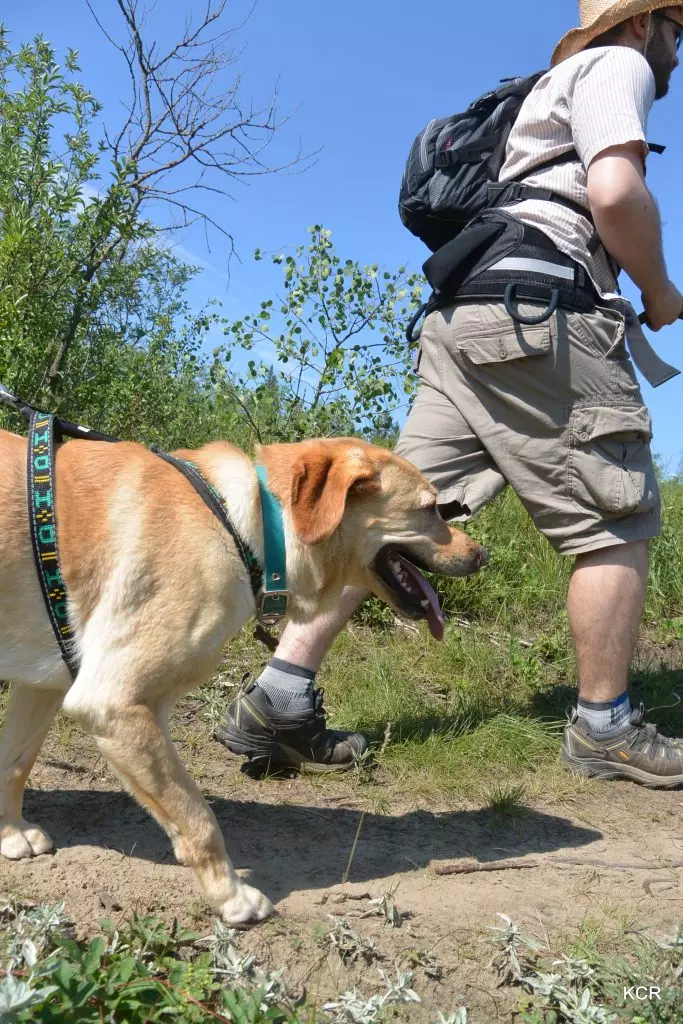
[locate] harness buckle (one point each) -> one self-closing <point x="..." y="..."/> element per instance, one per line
<point x="271" y="606"/>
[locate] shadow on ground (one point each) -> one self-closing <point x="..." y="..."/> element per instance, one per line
<point x="659" y="689"/>
<point x="293" y="847"/>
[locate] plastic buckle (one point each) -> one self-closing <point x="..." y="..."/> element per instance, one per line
<point x="272" y="606"/>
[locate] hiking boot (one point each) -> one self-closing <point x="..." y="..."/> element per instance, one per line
<point x="639" y="753"/>
<point x="283" y="738"/>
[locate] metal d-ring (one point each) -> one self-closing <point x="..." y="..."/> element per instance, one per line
<point x="530" y="321"/>
<point x="412" y="337"/>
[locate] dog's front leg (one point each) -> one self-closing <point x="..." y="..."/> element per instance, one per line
<point x="136" y="742"/>
<point x="29" y="716"/>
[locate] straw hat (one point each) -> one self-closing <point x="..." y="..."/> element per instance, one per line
<point x="598" y="16"/>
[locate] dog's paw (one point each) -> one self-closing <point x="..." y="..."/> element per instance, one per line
<point x="20" y="839"/>
<point x="247" y="906"/>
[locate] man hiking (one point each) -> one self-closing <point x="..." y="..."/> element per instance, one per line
<point x="541" y="395"/>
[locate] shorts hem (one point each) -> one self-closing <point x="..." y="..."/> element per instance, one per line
<point x="614" y="536"/>
<point x="455" y="493"/>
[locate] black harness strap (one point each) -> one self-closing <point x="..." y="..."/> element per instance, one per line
<point x="43" y="523"/>
<point x="45" y="430"/>
<point x="213" y="500"/>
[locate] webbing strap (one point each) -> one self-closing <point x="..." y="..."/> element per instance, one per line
<point x="213" y="500"/>
<point x="45" y="429"/>
<point x="515" y="191"/>
<point x="43" y="523"/>
<point x="275" y="597"/>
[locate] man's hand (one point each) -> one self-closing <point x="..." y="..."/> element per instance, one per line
<point x="663" y="307"/>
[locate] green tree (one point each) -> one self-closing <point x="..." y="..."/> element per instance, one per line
<point x="336" y="336"/>
<point x="92" y="312"/>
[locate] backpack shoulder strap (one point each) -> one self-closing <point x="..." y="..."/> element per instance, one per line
<point x="517" y="190"/>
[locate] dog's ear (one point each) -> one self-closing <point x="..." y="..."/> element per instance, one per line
<point x="321" y="475"/>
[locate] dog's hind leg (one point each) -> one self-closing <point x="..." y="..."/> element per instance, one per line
<point x="29" y="716"/>
<point x="136" y="742"/>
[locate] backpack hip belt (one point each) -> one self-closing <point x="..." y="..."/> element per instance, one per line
<point x="500" y="259"/>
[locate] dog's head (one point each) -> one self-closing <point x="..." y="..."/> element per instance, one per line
<point x="358" y="515"/>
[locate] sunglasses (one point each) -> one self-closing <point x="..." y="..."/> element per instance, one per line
<point x="679" y="28"/>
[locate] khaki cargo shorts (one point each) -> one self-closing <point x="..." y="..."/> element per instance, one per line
<point x="554" y="410"/>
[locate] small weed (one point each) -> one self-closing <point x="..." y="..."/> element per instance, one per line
<point x="593" y="989"/>
<point x="506" y="799"/>
<point x="349" y="945"/>
<point x="385" y="906"/>
<point x="668" y="632"/>
<point x="513" y="956"/>
<point x="68" y="732"/>
<point x="352" y="1008"/>
<point x="414" y="958"/>
<point x="214" y="698"/>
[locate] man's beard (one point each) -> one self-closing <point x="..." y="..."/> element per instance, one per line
<point x="658" y="56"/>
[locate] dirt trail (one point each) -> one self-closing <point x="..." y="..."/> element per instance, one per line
<point x="293" y="838"/>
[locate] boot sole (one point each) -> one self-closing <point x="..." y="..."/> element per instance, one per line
<point x="279" y="755"/>
<point x="598" y="769"/>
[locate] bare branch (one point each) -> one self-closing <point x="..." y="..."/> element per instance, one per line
<point x="182" y="112"/>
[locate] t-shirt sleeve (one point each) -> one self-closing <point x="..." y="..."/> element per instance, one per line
<point x="611" y="101"/>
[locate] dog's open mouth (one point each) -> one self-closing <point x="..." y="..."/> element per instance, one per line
<point x="413" y="595"/>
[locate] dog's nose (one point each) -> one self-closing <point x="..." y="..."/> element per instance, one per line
<point x="483" y="558"/>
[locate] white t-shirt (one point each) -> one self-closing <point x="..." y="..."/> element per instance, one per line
<point x="599" y="98"/>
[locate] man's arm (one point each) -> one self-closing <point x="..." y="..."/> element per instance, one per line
<point x="628" y="223"/>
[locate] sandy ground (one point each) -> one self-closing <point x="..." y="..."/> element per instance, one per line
<point x="293" y="839"/>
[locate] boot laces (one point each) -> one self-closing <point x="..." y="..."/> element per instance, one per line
<point x="649" y="729"/>
<point x="319" y="706"/>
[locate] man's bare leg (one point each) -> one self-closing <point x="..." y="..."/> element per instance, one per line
<point x="306" y="645"/>
<point x="604" y="738"/>
<point x="605" y="606"/>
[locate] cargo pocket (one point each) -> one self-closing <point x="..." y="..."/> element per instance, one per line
<point x="502" y="343"/>
<point x="610" y="464"/>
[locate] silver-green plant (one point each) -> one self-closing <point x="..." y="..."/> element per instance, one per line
<point x="353" y="1008"/>
<point x="349" y="945"/>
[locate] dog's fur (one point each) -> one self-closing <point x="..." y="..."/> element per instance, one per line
<point x="156" y="587"/>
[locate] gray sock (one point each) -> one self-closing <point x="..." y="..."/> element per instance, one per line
<point x="288" y="687"/>
<point x="606" y="718"/>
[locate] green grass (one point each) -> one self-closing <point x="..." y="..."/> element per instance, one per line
<point x="506" y="799"/>
<point x="489" y="702"/>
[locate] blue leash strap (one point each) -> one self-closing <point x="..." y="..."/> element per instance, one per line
<point x="274" y="599"/>
<point x="43" y="523"/>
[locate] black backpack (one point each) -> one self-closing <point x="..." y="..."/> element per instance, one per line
<point x="454" y="161"/>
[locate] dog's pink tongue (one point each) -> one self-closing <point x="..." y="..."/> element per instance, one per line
<point x="433" y="612"/>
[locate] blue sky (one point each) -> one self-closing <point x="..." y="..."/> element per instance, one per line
<point x="360" y="79"/>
